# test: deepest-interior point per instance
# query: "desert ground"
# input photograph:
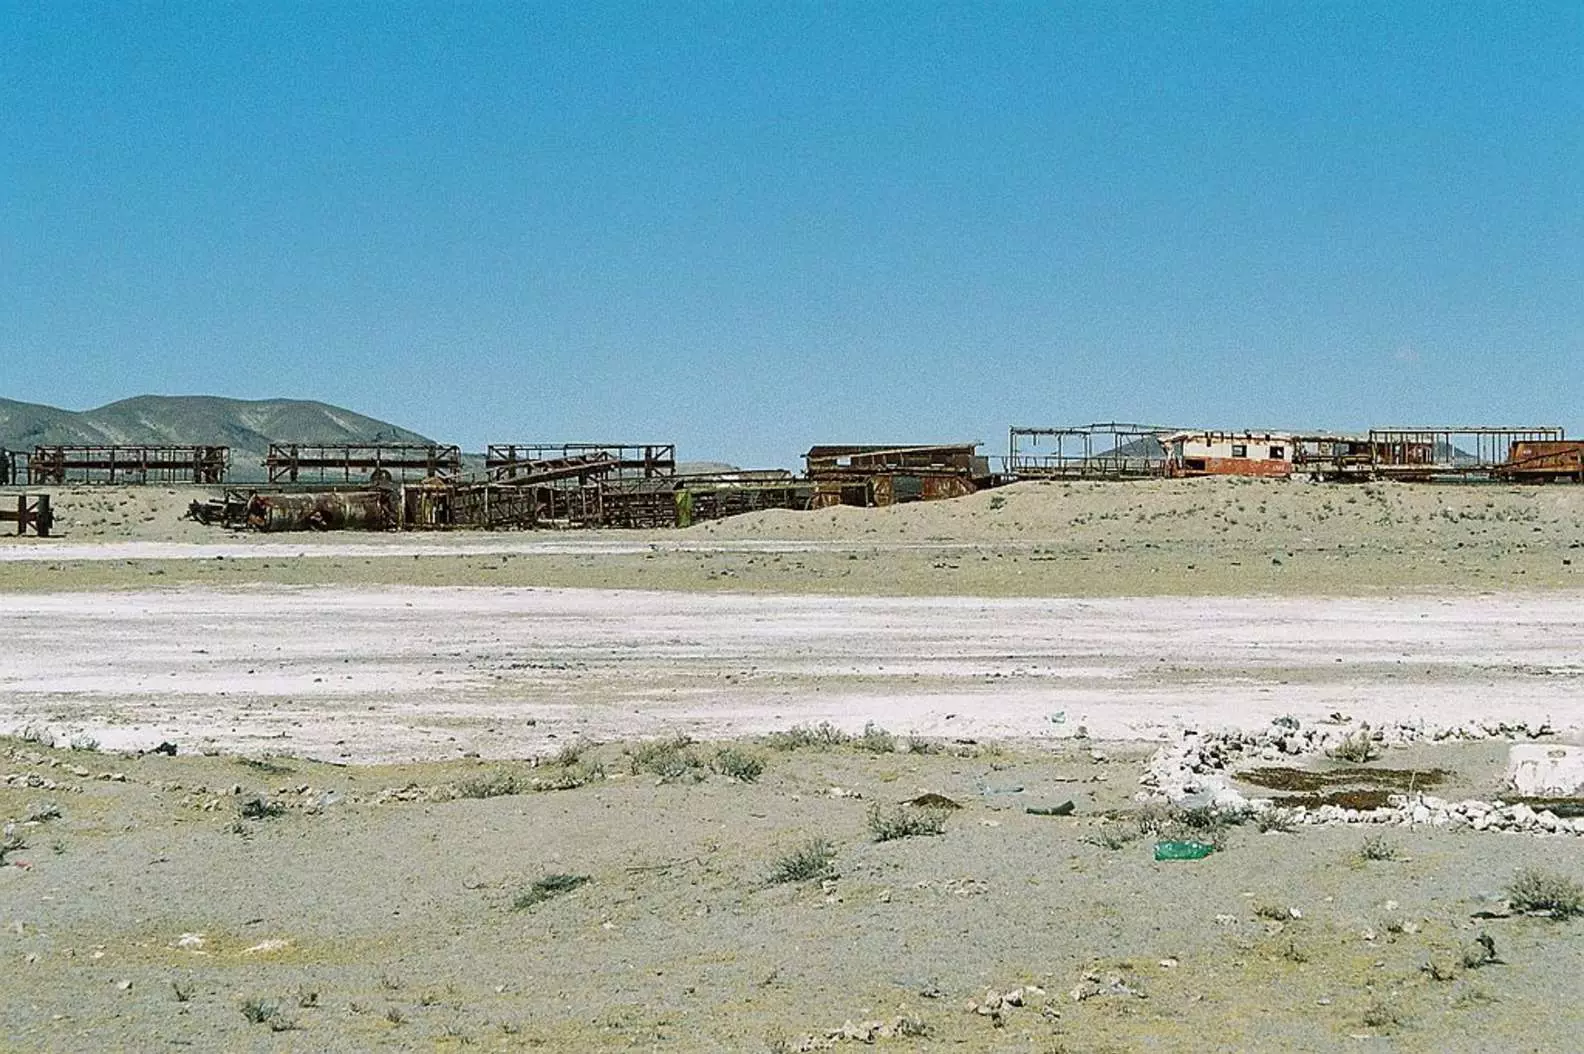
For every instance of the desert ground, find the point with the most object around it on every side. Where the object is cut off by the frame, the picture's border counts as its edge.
(650, 790)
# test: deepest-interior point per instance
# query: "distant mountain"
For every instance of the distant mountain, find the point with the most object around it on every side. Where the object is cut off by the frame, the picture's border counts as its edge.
(247, 426)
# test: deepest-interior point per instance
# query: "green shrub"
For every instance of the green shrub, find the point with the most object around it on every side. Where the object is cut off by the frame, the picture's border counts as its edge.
(812, 859)
(904, 821)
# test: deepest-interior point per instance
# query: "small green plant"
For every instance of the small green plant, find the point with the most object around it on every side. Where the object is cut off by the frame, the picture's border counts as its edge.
(1378, 847)
(876, 740)
(547, 887)
(1536, 892)
(813, 859)
(571, 753)
(1381, 1014)
(919, 745)
(259, 807)
(672, 760)
(1115, 834)
(823, 736)
(183, 991)
(1275, 821)
(42, 812)
(570, 777)
(498, 784)
(307, 998)
(1356, 748)
(394, 1015)
(905, 821)
(739, 765)
(259, 1011)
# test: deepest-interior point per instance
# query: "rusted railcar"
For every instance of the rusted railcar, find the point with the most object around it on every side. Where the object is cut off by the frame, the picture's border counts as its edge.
(1544, 461)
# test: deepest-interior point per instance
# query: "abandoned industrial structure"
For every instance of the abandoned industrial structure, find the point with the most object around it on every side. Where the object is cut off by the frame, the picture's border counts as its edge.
(376, 486)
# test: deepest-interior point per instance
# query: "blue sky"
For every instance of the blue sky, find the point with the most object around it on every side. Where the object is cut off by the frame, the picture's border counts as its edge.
(750, 227)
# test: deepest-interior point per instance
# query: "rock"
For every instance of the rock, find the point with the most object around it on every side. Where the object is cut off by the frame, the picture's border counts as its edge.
(1545, 770)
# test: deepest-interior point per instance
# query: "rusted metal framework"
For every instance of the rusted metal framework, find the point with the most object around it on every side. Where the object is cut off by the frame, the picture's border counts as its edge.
(359, 462)
(127, 464)
(1474, 452)
(31, 512)
(1112, 450)
(888, 474)
(701, 498)
(13, 467)
(506, 461)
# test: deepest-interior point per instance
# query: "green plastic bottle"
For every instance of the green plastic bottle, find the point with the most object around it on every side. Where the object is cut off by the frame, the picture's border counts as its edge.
(1183, 850)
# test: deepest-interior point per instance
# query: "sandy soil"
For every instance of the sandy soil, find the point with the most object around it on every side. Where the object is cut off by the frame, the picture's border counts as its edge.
(378, 910)
(1197, 537)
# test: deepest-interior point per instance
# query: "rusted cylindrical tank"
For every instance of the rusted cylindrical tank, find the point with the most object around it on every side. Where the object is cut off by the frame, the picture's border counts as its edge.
(364, 510)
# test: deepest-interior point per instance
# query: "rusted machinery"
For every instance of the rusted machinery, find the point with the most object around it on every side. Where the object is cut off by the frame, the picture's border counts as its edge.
(1544, 461)
(128, 464)
(1096, 451)
(365, 510)
(889, 474)
(32, 512)
(359, 462)
(506, 461)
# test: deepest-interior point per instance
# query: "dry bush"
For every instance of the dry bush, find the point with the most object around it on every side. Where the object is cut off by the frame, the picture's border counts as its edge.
(813, 859)
(672, 760)
(1378, 847)
(545, 888)
(823, 736)
(738, 764)
(1357, 748)
(1537, 892)
(905, 821)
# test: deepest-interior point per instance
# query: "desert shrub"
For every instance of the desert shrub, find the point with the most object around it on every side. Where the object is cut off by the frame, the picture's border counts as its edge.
(261, 1012)
(1115, 834)
(1356, 748)
(1544, 892)
(823, 736)
(1378, 847)
(670, 759)
(571, 753)
(812, 859)
(42, 812)
(259, 807)
(919, 745)
(569, 777)
(1381, 1014)
(739, 765)
(905, 821)
(876, 740)
(1275, 820)
(497, 784)
(547, 887)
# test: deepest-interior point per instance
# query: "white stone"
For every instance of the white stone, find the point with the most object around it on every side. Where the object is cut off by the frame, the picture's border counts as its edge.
(1545, 769)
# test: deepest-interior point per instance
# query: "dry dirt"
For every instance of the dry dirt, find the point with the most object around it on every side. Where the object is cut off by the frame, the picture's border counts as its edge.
(380, 910)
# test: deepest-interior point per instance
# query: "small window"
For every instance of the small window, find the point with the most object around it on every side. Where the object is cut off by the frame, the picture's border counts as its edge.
(1278, 453)
(1240, 450)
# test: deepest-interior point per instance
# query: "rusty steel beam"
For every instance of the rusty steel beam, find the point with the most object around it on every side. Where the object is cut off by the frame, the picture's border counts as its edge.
(359, 462)
(32, 511)
(631, 460)
(99, 463)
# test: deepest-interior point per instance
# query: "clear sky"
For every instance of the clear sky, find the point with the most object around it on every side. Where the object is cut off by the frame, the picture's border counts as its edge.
(749, 227)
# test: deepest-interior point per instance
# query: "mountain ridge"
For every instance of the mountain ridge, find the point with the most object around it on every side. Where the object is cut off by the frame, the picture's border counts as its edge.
(247, 426)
